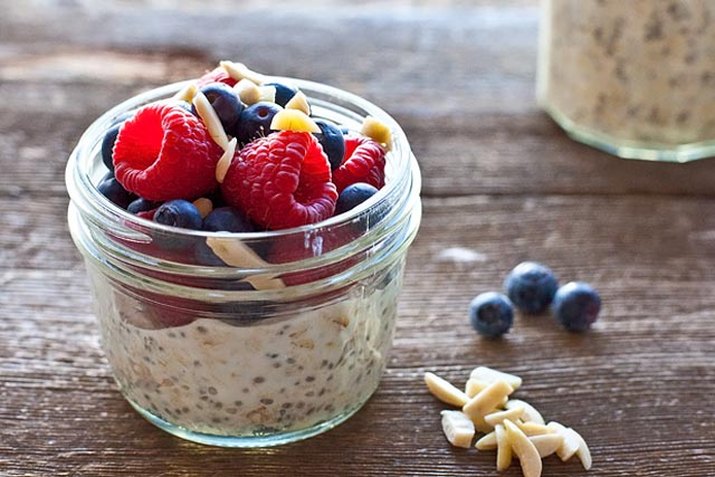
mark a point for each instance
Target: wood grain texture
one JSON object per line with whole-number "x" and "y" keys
{"x": 501, "y": 184}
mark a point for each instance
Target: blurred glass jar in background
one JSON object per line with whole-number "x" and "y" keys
{"x": 635, "y": 78}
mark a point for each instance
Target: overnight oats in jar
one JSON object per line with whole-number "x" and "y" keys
{"x": 245, "y": 239}
{"x": 635, "y": 78}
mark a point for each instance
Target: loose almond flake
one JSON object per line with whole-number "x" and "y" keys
{"x": 299, "y": 101}
{"x": 533, "y": 428}
{"x": 239, "y": 71}
{"x": 211, "y": 121}
{"x": 530, "y": 412}
{"x": 204, "y": 205}
{"x": 583, "y": 452}
{"x": 524, "y": 449}
{"x": 445, "y": 391}
{"x": 504, "y": 449}
{"x": 458, "y": 428}
{"x": 186, "y": 93}
{"x": 487, "y": 442}
{"x": 377, "y": 131}
{"x": 225, "y": 162}
{"x": 498, "y": 417}
{"x": 571, "y": 443}
{"x": 474, "y": 386}
{"x": 485, "y": 403}
{"x": 489, "y": 375}
{"x": 247, "y": 91}
{"x": 547, "y": 444}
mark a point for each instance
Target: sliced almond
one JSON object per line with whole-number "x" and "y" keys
{"x": 547, "y": 444}
{"x": 474, "y": 386}
{"x": 377, "y": 131}
{"x": 444, "y": 390}
{"x": 210, "y": 118}
{"x": 489, "y": 375}
{"x": 299, "y": 101}
{"x": 583, "y": 452}
{"x": 186, "y": 93}
{"x": 486, "y": 402}
{"x": 247, "y": 92}
{"x": 458, "y": 428}
{"x": 225, "y": 161}
{"x": 487, "y": 441}
{"x": 239, "y": 71}
{"x": 204, "y": 206}
{"x": 524, "y": 449}
{"x": 530, "y": 412}
{"x": 533, "y": 428}
{"x": 293, "y": 120}
{"x": 571, "y": 443}
{"x": 498, "y": 417}
{"x": 237, "y": 254}
{"x": 267, "y": 93}
{"x": 504, "y": 448}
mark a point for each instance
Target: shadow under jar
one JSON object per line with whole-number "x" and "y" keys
{"x": 634, "y": 78}
{"x": 252, "y": 339}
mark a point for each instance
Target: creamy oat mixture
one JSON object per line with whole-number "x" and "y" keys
{"x": 636, "y": 70}
{"x": 213, "y": 377}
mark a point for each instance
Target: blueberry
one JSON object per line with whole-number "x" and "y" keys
{"x": 113, "y": 190}
{"x": 110, "y": 138}
{"x": 179, "y": 213}
{"x": 225, "y": 102}
{"x": 142, "y": 205}
{"x": 531, "y": 287}
{"x": 284, "y": 92}
{"x": 186, "y": 106}
{"x": 227, "y": 219}
{"x": 354, "y": 195}
{"x": 576, "y": 306}
{"x": 333, "y": 142}
{"x": 491, "y": 314}
{"x": 255, "y": 121}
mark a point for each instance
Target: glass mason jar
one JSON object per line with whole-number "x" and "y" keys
{"x": 634, "y": 78}
{"x": 251, "y": 339}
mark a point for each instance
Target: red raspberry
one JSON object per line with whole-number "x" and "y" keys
{"x": 281, "y": 181}
{"x": 217, "y": 75}
{"x": 364, "y": 161}
{"x": 164, "y": 152}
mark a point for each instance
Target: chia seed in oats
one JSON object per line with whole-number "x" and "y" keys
{"x": 639, "y": 72}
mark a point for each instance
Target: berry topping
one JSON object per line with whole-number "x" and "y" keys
{"x": 576, "y": 306}
{"x": 281, "y": 181}
{"x": 255, "y": 121}
{"x": 179, "y": 213}
{"x": 333, "y": 142}
{"x": 108, "y": 144}
{"x": 227, "y": 219}
{"x": 491, "y": 314}
{"x": 364, "y": 162}
{"x": 531, "y": 287}
{"x": 217, "y": 75}
{"x": 225, "y": 102}
{"x": 293, "y": 120}
{"x": 141, "y": 205}
{"x": 166, "y": 153}
{"x": 354, "y": 195}
{"x": 113, "y": 190}
{"x": 284, "y": 92}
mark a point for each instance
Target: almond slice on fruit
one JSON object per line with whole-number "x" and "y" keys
{"x": 458, "y": 428}
{"x": 489, "y": 375}
{"x": 208, "y": 115}
{"x": 239, "y": 71}
{"x": 487, "y": 441}
{"x": 444, "y": 390}
{"x": 186, "y": 93}
{"x": 237, "y": 254}
{"x": 524, "y": 449}
{"x": 504, "y": 448}
{"x": 247, "y": 92}
{"x": 571, "y": 443}
{"x": 267, "y": 93}
{"x": 293, "y": 120}
{"x": 533, "y": 428}
{"x": 547, "y": 444}
{"x": 377, "y": 131}
{"x": 530, "y": 412}
{"x": 498, "y": 417}
{"x": 486, "y": 402}
{"x": 204, "y": 206}
{"x": 225, "y": 161}
{"x": 299, "y": 101}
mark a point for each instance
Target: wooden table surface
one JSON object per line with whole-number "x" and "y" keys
{"x": 501, "y": 184}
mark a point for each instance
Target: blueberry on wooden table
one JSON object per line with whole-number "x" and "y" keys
{"x": 576, "y": 306}
{"x": 531, "y": 287}
{"x": 491, "y": 314}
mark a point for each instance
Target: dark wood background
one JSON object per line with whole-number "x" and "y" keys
{"x": 500, "y": 179}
